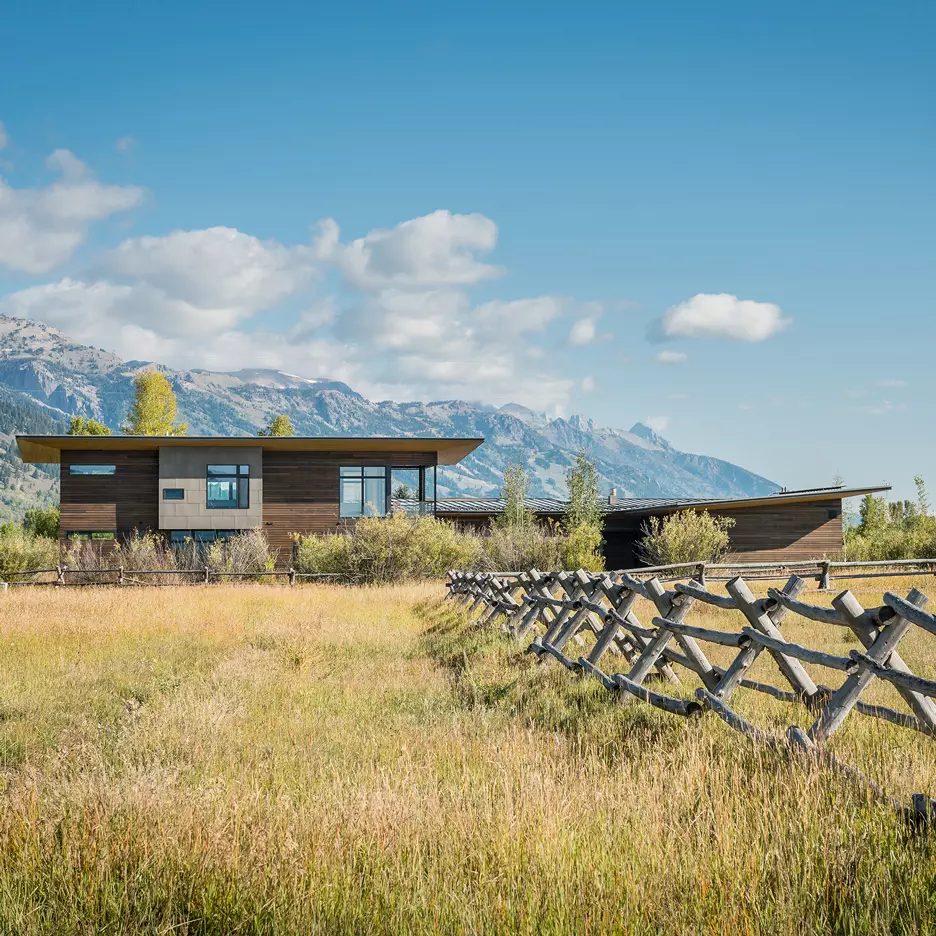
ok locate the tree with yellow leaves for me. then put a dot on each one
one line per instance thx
(154, 407)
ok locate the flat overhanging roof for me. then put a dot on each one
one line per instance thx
(47, 449)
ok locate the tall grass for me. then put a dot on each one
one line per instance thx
(331, 761)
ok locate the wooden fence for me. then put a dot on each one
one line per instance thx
(558, 606)
(64, 576)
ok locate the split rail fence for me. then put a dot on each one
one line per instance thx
(558, 607)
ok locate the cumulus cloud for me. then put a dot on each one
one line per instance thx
(582, 332)
(720, 315)
(42, 227)
(217, 267)
(672, 357)
(438, 249)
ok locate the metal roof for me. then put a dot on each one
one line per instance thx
(47, 449)
(481, 506)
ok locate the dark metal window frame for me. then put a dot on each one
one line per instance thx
(92, 471)
(173, 494)
(377, 471)
(240, 475)
(95, 536)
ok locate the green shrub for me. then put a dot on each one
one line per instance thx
(43, 521)
(519, 549)
(581, 549)
(892, 530)
(686, 536)
(400, 547)
(22, 550)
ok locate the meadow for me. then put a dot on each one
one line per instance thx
(258, 759)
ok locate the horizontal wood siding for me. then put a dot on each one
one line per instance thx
(786, 532)
(89, 517)
(300, 491)
(131, 494)
(771, 533)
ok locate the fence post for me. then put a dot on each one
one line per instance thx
(61, 576)
(292, 576)
(206, 575)
(825, 575)
(120, 580)
(700, 574)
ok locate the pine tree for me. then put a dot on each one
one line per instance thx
(80, 426)
(154, 409)
(279, 426)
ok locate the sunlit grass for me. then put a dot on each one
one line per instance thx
(326, 760)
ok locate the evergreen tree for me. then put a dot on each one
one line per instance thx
(279, 426)
(80, 426)
(154, 409)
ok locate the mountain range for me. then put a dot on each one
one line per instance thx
(45, 378)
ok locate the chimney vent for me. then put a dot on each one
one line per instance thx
(613, 498)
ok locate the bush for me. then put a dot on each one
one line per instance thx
(686, 536)
(43, 521)
(22, 550)
(581, 549)
(521, 548)
(397, 548)
(895, 530)
(248, 552)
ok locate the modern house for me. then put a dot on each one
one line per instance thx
(788, 526)
(203, 488)
(209, 487)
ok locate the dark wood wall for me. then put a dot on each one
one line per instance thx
(300, 491)
(781, 532)
(120, 502)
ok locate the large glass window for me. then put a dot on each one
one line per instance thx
(228, 486)
(92, 469)
(363, 491)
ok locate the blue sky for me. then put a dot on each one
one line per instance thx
(502, 203)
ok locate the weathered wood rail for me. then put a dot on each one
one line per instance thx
(562, 608)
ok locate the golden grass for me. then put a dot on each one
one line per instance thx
(267, 760)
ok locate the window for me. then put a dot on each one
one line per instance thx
(98, 536)
(228, 486)
(173, 493)
(363, 492)
(92, 469)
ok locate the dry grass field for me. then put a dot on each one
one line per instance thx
(323, 760)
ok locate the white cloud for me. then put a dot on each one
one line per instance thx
(582, 333)
(720, 316)
(588, 384)
(656, 423)
(892, 383)
(745, 407)
(884, 408)
(672, 357)
(4, 139)
(42, 227)
(125, 145)
(438, 249)
(216, 267)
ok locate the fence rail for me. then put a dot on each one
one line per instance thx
(560, 607)
(65, 576)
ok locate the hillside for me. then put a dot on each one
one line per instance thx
(45, 378)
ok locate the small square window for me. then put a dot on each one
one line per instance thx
(173, 493)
